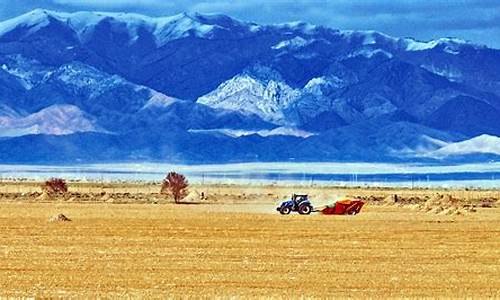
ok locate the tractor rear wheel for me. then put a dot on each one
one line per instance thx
(285, 210)
(305, 209)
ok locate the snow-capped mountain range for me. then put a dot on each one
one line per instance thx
(96, 86)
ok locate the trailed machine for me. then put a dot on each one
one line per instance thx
(302, 205)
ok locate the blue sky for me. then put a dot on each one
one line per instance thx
(475, 20)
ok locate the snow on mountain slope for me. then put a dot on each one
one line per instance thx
(385, 89)
(119, 68)
(281, 131)
(169, 28)
(367, 37)
(295, 43)
(484, 144)
(28, 71)
(183, 25)
(159, 100)
(111, 41)
(33, 20)
(450, 72)
(287, 131)
(261, 92)
(164, 29)
(120, 105)
(323, 85)
(368, 53)
(83, 77)
(92, 90)
(451, 44)
(53, 120)
(424, 145)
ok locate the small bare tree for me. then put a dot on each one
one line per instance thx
(175, 184)
(55, 186)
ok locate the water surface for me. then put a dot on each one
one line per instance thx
(484, 175)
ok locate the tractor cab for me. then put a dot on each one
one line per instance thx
(297, 199)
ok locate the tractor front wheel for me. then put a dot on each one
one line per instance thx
(305, 209)
(285, 210)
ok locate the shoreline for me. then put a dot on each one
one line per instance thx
(249, 184)
(397, 175)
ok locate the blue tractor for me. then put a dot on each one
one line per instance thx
(298, 203)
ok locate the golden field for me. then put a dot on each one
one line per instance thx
(128, 241)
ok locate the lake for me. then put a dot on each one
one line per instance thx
(483, 175)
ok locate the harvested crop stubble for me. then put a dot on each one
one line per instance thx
(244, 250)
(153, 251)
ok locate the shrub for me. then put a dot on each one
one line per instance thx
(55, 186)
(175, 184)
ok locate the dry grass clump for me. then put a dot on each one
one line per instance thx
(105, 197)
(390, 200)
(489, 202)
(445, 205)
(440, 204)
(399, 200)
(59, 218)
(193, 197)
(43, 197)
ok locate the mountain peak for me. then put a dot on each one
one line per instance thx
(451, 44)
(33, 20)
(89, 16)
(202, 25)
(364, 94)
(486, 144)
(164, 29)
